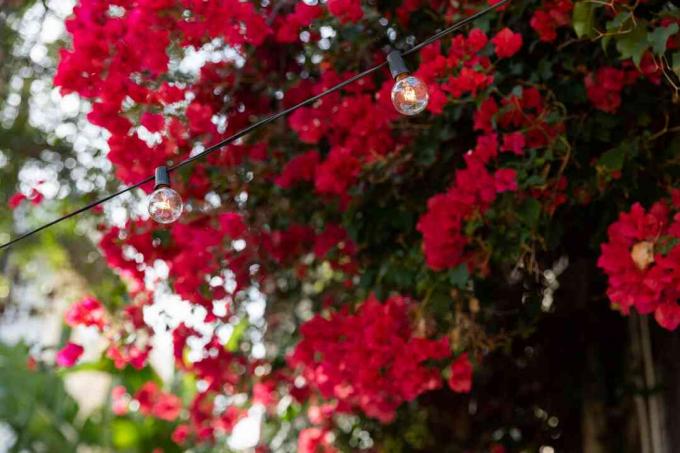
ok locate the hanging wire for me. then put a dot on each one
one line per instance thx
(243, 132)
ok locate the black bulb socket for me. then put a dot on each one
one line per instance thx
(398, 67)
(162, 177)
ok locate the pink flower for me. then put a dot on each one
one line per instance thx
(167, 407)
(507, 43)
(87, 312)
(154, 402)
(460, 380)
(315, 440)
(146, 397)
(119, 400)
(69, 355)
(180, 434)
(15, 200)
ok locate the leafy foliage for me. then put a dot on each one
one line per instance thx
(348, 250)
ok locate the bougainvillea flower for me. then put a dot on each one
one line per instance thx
(69, 355)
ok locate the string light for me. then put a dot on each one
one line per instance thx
(164, 204)
(409, 94)
(270, 119)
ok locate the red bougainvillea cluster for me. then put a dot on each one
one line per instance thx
(128, 336)
(523, 119)
(642, 260)
(552, 14)
(369, 359)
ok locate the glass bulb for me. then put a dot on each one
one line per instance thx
(165, 205)
(410, 95)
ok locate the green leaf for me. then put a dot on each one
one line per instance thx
(614, 26)
(530, 211)
(236, 334)
(582, 18)
(124, 433)
(633, 44)
(459, 276)
(659, 37)
(613, 159)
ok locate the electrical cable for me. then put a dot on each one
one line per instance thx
(243, 132)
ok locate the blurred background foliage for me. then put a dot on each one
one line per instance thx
(38, 143)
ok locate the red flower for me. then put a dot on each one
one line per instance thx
(541, 23)
(345, 358)
(483, 118)
(460, 380)
(146, 397)
(486, 149)
(437, 101)
(477, 39)
(289, 27)
(180, 434)
(552, 15)
(15, 200)
(473, 192)
(299, 168)
(514, 142)
(69, 355)
(668, 315)
(154, 402)
(641, 273)
(443, 242)
(604, 88)
(154, 122)
(200, 118)
(308, 124)
(167, 407)
(505, 180)
(338, 172)
(169, 94)
(87, 312)
(346, 10)
(507, 43)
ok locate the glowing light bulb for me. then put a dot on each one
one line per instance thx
(165, 204)
(410, 95)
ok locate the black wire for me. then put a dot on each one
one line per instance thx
(454, 27)
(243, 132)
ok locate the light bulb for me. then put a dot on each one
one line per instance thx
(164, 204)
(410, 95)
